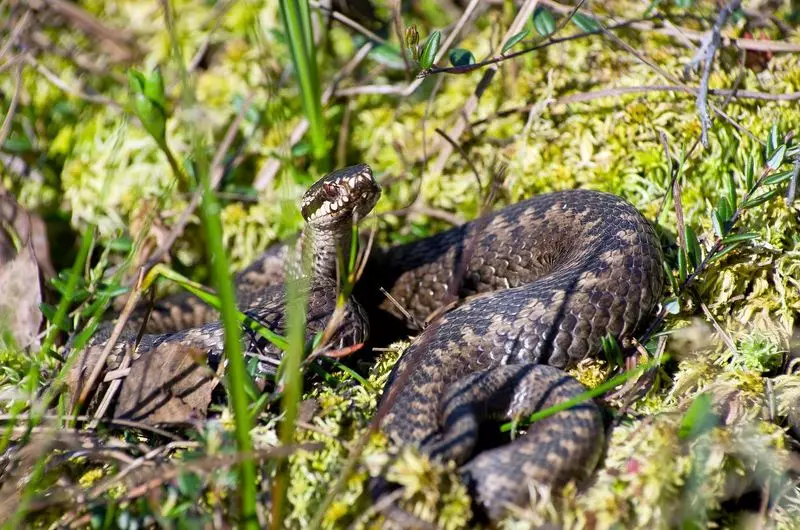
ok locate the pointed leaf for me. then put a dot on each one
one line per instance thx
(543, 22)
(764, 197)
(746, 236)
(777, 178)
(682, 273)
(672, 305)
(514, 39)
(773, 140)
(717, 223)
(429, 50)
(699, 418)
(731, 189)
(725, 251)
(585, 22)
(693, 246)
(776, 159)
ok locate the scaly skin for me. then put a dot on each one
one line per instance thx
(539, 284)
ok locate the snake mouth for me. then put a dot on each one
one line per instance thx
(347, 192)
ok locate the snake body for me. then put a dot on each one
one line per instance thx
(535, 286)
(552, 276)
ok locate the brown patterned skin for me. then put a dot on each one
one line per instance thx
(330, 207)
(539, 283)
(554, 275)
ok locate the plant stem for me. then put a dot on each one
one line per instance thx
(297, 21)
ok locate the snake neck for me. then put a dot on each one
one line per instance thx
(322, 249)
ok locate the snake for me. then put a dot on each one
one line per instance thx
(512, 300)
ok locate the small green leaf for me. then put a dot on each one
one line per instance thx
(725, 251)
(136, 81)
(699, 418)
(611, 349)
(189, 484)
(154, 89)
(731, 189)
(429, 50)
(749, 172)
(693, 246)
(773, 140)
(301, 149)
(514, 39)
(673, 283)
(764, 197)
(725, 210)
(543, 22)
(113, 291)
(776, 159)
(682, 272)
(777, 178)
(585, 22)
(461, 57)
(746, 236)
(717, 223)
(672, 305)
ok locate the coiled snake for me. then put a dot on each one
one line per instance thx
(539, 283)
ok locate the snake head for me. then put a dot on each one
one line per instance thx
(344, 195)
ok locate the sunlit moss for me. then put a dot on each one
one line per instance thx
(102, 169)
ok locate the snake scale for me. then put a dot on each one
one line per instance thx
(538, 284)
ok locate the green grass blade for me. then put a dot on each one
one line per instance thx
(292, 382)
(297, 22)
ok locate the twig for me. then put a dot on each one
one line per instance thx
(727, 339)
(696, 142)
(15, 33)
(708, 49)
(584, 97)
(217, 172)
(464, 156)
(412, 87)
(55, 80)
(5, 129)
(455, 132)
(112, 341)
(684, 34)
(349, 22)
(412, 322)
(436, 213)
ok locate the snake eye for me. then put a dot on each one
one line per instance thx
(330, 190)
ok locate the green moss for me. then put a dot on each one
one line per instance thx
(93, 165)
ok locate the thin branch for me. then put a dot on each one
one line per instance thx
(55, 80)
(409, 89)
(705, 55)
(349, 22)
(5, 129)
(217, 172)
(100, 364)
(683, 34)
(496, 59)
(15, 33)
(464, 156)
